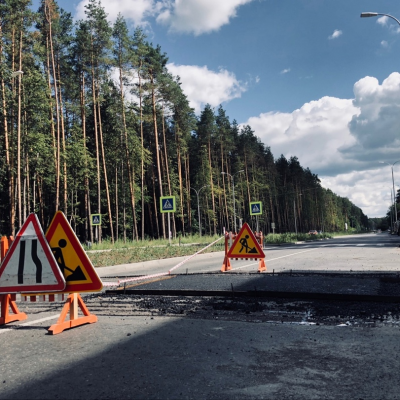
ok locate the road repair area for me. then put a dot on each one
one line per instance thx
(291, 334)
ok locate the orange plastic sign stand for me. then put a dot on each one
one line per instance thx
(29, 265)
(74, 300)
(76, 266)
(245, 245)
(7, 301)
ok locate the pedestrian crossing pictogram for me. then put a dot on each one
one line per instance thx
(29, 265)
(167, 204)
(95, 219)
(256, 208)
(79, 273)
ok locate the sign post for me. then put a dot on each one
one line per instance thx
(168, 205)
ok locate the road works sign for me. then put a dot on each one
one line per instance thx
(78, 270)
(256, 208)
(245, 245)
(95, 219)
(167, 204)
(29, 265)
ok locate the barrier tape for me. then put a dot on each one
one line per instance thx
(139, 278)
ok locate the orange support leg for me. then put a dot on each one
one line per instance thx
(73, 301)
(8, 300)
(226, 266)
(4, 247)
(261, 265)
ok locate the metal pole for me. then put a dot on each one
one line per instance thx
(391, 210)
(198, 213)
(294, 212)
(394, 198)
(169, 229)
(233, 198)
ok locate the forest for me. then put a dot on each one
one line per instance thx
(92, 122)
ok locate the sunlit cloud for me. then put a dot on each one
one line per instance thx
(336, 33)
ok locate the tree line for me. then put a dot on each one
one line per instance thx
(92, 122)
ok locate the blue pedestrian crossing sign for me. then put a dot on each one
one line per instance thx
(256, 208)
(95, 219)
(167, 204)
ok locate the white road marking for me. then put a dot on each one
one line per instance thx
(38, 321)
(273, 259)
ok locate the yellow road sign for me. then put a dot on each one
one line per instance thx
(245, 245)
(79, 273)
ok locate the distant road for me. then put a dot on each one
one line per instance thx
(366, 252)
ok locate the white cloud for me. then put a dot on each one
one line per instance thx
(186, 16)
(194, 16)
(336, 33)
(343, 140)
(384, 43)
(384, 21)
(134, 10)
(202, 85)
(370, 190)
(285, 71)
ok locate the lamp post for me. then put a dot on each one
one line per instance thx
(394, 194)
(233, 194)
(375, 14)
(198, 205)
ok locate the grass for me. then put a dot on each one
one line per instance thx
(106, 254)
(279, 238)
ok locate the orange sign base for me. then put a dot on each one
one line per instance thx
(73, 301)
(261, 265)
(7, 301)
(226, 266)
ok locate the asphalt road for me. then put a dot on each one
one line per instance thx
(134, 352)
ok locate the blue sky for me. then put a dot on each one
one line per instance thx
(311, 77)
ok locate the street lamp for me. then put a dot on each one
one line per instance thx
(198, 205)
(233, 194)
(394, 194)
(375, 14)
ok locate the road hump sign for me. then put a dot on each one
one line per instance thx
(245, 245)
(256, 208)
(79, 273)
(29, 265)
(167, 204)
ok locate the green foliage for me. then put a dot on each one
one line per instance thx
(89, 80)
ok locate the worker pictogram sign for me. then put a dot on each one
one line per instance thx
(29, 265)
(72, 260)
(245, 245)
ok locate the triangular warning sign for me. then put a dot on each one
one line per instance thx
(29, 265)
(245, 245)
(167, 205)
(76, 266)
